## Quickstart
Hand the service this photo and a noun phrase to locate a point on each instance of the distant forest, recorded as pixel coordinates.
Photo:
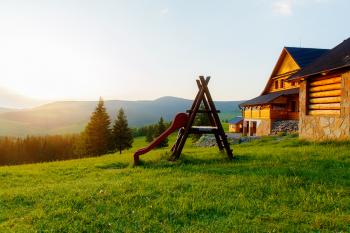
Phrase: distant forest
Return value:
(99, 137)
(34, 149)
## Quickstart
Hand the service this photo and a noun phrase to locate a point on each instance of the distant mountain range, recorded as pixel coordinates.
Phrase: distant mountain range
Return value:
(72, 116)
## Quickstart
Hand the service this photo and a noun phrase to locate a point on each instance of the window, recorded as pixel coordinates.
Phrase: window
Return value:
(276, 84)
(282, 83)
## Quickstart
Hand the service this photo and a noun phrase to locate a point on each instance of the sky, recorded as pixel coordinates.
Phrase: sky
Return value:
(141, 49)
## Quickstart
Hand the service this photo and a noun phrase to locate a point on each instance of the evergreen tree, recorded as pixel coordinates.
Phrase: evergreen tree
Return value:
(150, 133)
(159, 130)
(122, 134)
(98, 133)
(202, 119)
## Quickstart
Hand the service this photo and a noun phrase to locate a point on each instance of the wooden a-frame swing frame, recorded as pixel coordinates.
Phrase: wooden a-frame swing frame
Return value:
(203, 96)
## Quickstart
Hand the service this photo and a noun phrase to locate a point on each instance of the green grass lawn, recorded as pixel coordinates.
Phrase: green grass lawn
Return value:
(273, 185)
(225, 126)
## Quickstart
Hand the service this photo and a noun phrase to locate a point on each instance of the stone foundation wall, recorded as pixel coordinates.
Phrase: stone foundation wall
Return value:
(287, 126)
(326, 127)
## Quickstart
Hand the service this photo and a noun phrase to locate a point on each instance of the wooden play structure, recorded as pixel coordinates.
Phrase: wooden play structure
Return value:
(184, 123)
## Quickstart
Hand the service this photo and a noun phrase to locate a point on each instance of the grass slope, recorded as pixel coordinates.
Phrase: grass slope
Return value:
(273, 185)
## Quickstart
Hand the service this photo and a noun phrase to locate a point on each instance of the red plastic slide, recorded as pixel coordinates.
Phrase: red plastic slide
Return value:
(179, 121)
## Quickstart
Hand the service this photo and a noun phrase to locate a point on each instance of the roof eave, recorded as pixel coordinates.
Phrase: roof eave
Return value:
(282, 93)
(305, 76)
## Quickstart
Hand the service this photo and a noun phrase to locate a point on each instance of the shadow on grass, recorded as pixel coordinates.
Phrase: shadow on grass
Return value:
(318, 171)
(190, 161)
(113, 166)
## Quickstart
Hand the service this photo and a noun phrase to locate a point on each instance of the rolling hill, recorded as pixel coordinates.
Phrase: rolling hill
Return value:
(72, 116)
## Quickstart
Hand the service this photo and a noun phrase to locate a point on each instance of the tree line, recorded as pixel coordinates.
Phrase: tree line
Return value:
(98, 138)
(33, 149)
(154, 130)
(150, 132)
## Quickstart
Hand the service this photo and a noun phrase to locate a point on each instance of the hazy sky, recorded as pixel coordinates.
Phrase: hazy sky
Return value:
(66, 49)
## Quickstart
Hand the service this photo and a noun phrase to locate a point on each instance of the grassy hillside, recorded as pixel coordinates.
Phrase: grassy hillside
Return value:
(72, 116)
(274, 185)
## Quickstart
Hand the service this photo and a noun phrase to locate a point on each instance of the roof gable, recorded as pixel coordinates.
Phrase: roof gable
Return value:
(291, 60)
(285, 64)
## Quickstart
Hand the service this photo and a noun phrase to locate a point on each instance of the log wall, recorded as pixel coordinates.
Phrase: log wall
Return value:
(324, 96)
(327, 115)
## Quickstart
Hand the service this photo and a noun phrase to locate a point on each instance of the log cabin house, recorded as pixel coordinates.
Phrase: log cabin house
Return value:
(280, 99)
(235, 125)
(325, 95)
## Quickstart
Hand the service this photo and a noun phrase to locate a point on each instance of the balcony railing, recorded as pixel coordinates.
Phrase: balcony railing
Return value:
(270, 114)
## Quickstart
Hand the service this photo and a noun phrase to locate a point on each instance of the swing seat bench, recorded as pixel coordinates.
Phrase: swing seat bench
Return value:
(203, 129)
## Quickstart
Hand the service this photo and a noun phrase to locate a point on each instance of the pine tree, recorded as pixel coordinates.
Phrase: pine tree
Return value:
(202, 119)
(150, 133)
(122, 134)
(159, 130)
(98, 133)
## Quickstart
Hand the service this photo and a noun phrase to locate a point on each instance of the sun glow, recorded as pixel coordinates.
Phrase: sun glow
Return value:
(124, 50)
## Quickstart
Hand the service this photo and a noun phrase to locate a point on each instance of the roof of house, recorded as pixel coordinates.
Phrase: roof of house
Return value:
(265, 99)
(336, 58)
(236, 120)
(304, 56)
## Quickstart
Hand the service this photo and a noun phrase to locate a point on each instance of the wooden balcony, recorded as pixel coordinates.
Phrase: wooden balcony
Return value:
(268, 113)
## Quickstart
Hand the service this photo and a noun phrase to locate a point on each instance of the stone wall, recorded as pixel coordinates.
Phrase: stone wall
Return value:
(326, 127)
(287, 126)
